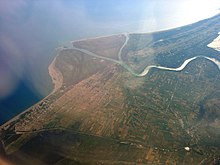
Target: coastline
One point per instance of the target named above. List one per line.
(6, 124)
(98, 37)
(55, 74)
(146, 32)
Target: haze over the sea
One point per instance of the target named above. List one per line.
(31, 30)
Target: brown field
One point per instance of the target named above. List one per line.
(104, 46)
(76, 66)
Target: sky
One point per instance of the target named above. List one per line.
(30, 30)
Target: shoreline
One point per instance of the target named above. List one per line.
(16, 117)
(54, 74)
(97, 37)
(148, 32)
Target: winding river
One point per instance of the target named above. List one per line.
(180, 68)
(147, 68)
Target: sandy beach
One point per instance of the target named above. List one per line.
(57, 80)
(56, 76)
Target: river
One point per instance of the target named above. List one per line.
(147, 68)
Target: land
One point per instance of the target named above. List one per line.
(56, 76)
(104, 46)
(101, 113)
